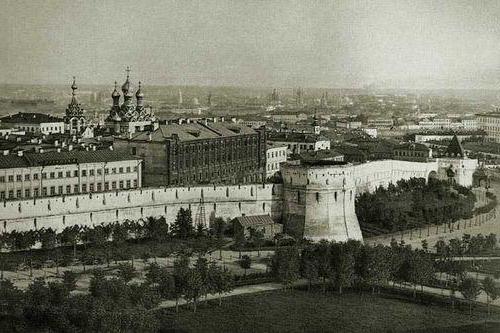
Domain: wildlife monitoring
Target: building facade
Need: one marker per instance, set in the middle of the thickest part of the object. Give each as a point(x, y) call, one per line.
point(35, 122)
point(298, 143)
point(490, 123)
point(275, 155)
point(199, 152)
point(57, 173)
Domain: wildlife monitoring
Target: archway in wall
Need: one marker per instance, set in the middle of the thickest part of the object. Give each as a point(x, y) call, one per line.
point(432, 175)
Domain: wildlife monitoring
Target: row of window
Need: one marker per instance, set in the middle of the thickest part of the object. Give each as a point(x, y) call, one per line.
point(276, 153)
point(67, 174)
point(75, 189)
point(43, 128)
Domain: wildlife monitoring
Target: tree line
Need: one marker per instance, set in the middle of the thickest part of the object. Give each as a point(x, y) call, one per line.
point(114, 303)
point(338, 266)
point(414, 203)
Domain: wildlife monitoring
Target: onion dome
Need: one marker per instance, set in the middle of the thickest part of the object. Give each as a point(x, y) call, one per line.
point(126, 84)
point(115, 92)
point(139, 93)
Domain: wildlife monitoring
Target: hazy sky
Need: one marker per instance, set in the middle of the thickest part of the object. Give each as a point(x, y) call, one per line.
point(426, 44)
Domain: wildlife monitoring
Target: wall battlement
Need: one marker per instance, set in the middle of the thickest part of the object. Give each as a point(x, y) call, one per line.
point(92, 209)
point(315, 201)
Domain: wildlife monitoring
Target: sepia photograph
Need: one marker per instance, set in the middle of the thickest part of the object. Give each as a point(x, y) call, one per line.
point(295, 166)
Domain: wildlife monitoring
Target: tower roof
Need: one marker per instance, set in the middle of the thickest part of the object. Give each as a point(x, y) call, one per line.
point(139, 93)
point(455, 148)
point(115, 92)
point(126, 84)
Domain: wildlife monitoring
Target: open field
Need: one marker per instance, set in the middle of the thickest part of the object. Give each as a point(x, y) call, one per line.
point(301, 311)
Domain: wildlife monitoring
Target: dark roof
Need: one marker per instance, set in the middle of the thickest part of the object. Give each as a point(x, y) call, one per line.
point(412, 146)
point(255, 220)
point(194, 131)
point(295, 137)
point(63, 157)
point(455, 148)
point(30, 118)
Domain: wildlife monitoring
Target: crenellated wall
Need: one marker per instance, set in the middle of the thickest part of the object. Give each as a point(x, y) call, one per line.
point(96, 208)
point(318, 200)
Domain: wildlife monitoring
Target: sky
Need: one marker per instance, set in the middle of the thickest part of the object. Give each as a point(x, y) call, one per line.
point(327, 44)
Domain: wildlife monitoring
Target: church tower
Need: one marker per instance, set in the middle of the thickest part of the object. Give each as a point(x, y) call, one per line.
point(74, 118)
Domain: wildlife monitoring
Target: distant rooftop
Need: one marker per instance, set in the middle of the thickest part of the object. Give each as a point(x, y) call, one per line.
point(295, 137)
point(30, 118)
point(63, 157)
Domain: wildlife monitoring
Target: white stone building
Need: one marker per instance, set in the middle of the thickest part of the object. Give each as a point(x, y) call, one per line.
point(275, 155)
point(35, 122)
point(57, 173)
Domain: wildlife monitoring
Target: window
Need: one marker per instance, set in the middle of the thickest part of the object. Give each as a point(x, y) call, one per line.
point(134, 150)
point(19, 178)
point(44, 175)
point(120, 170)
point(60, 174)
point(91, 172)
point(44, 191)
point(35, 176)
point(99, 172)
point(11, 178)
point(135, 169)
point(11, 194)
point(52, 190)
point(76, 189)
point(91, 187)
point(84, 188)
point(2, 195)
point(84, 173)
point(2, 179)
point(106, 186)
point(75, 173)
point(121, 184)
point(106, 171)
point(60, 190)
point(68, 189)
point(27, 177)
point(128, 169)
point(113, 170)
point(99, 187)
point(128, 183)
point(68, 174)
point(52, 175)
point(18, 193)
point(27, 193)
point(36, 192)
point(113, 185)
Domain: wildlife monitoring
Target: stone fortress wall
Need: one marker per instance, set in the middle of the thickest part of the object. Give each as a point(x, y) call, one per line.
point(96, 208)
point(318, 200)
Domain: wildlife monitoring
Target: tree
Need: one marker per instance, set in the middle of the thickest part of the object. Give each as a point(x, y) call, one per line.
point(11, 298)
point(183, 225)
point(181, 271)
point(143, 295)
point(256, 238)
point(71, 235)
point(96, 283)
point(217, 229)
point(245, 262)
point(491, 290)
point(153, 273)
point(310, 270)
point(343, 264)
point(69, 280)
point(194, 287)
point(470, 289)
point(220, 281)
point(126, 272)
point(286, 265)
point(239, 242)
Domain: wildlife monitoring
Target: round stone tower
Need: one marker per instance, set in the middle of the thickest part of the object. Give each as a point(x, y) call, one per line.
point(318, 201)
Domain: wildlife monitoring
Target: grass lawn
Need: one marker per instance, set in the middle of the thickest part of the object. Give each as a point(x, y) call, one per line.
point(300, 311)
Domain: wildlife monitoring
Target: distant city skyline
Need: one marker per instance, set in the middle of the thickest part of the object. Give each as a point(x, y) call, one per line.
point(317, 44)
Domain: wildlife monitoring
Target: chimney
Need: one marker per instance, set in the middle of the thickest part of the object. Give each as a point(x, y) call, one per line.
point(56, 143)
point(5, 152)
point(41, 150)
point(179, 121)
point(20, 153)
point(58, 150)
point(222, 119)
point(93, 148)
point(70, 147)
point(150, 137)
point(215, 119)
point(110, 147)
point(233, 120)
point(188, 120)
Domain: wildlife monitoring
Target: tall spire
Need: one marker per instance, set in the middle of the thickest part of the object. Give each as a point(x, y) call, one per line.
point(73, 93)
point(126, 85)
point(116, 96)
point(140, 96)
